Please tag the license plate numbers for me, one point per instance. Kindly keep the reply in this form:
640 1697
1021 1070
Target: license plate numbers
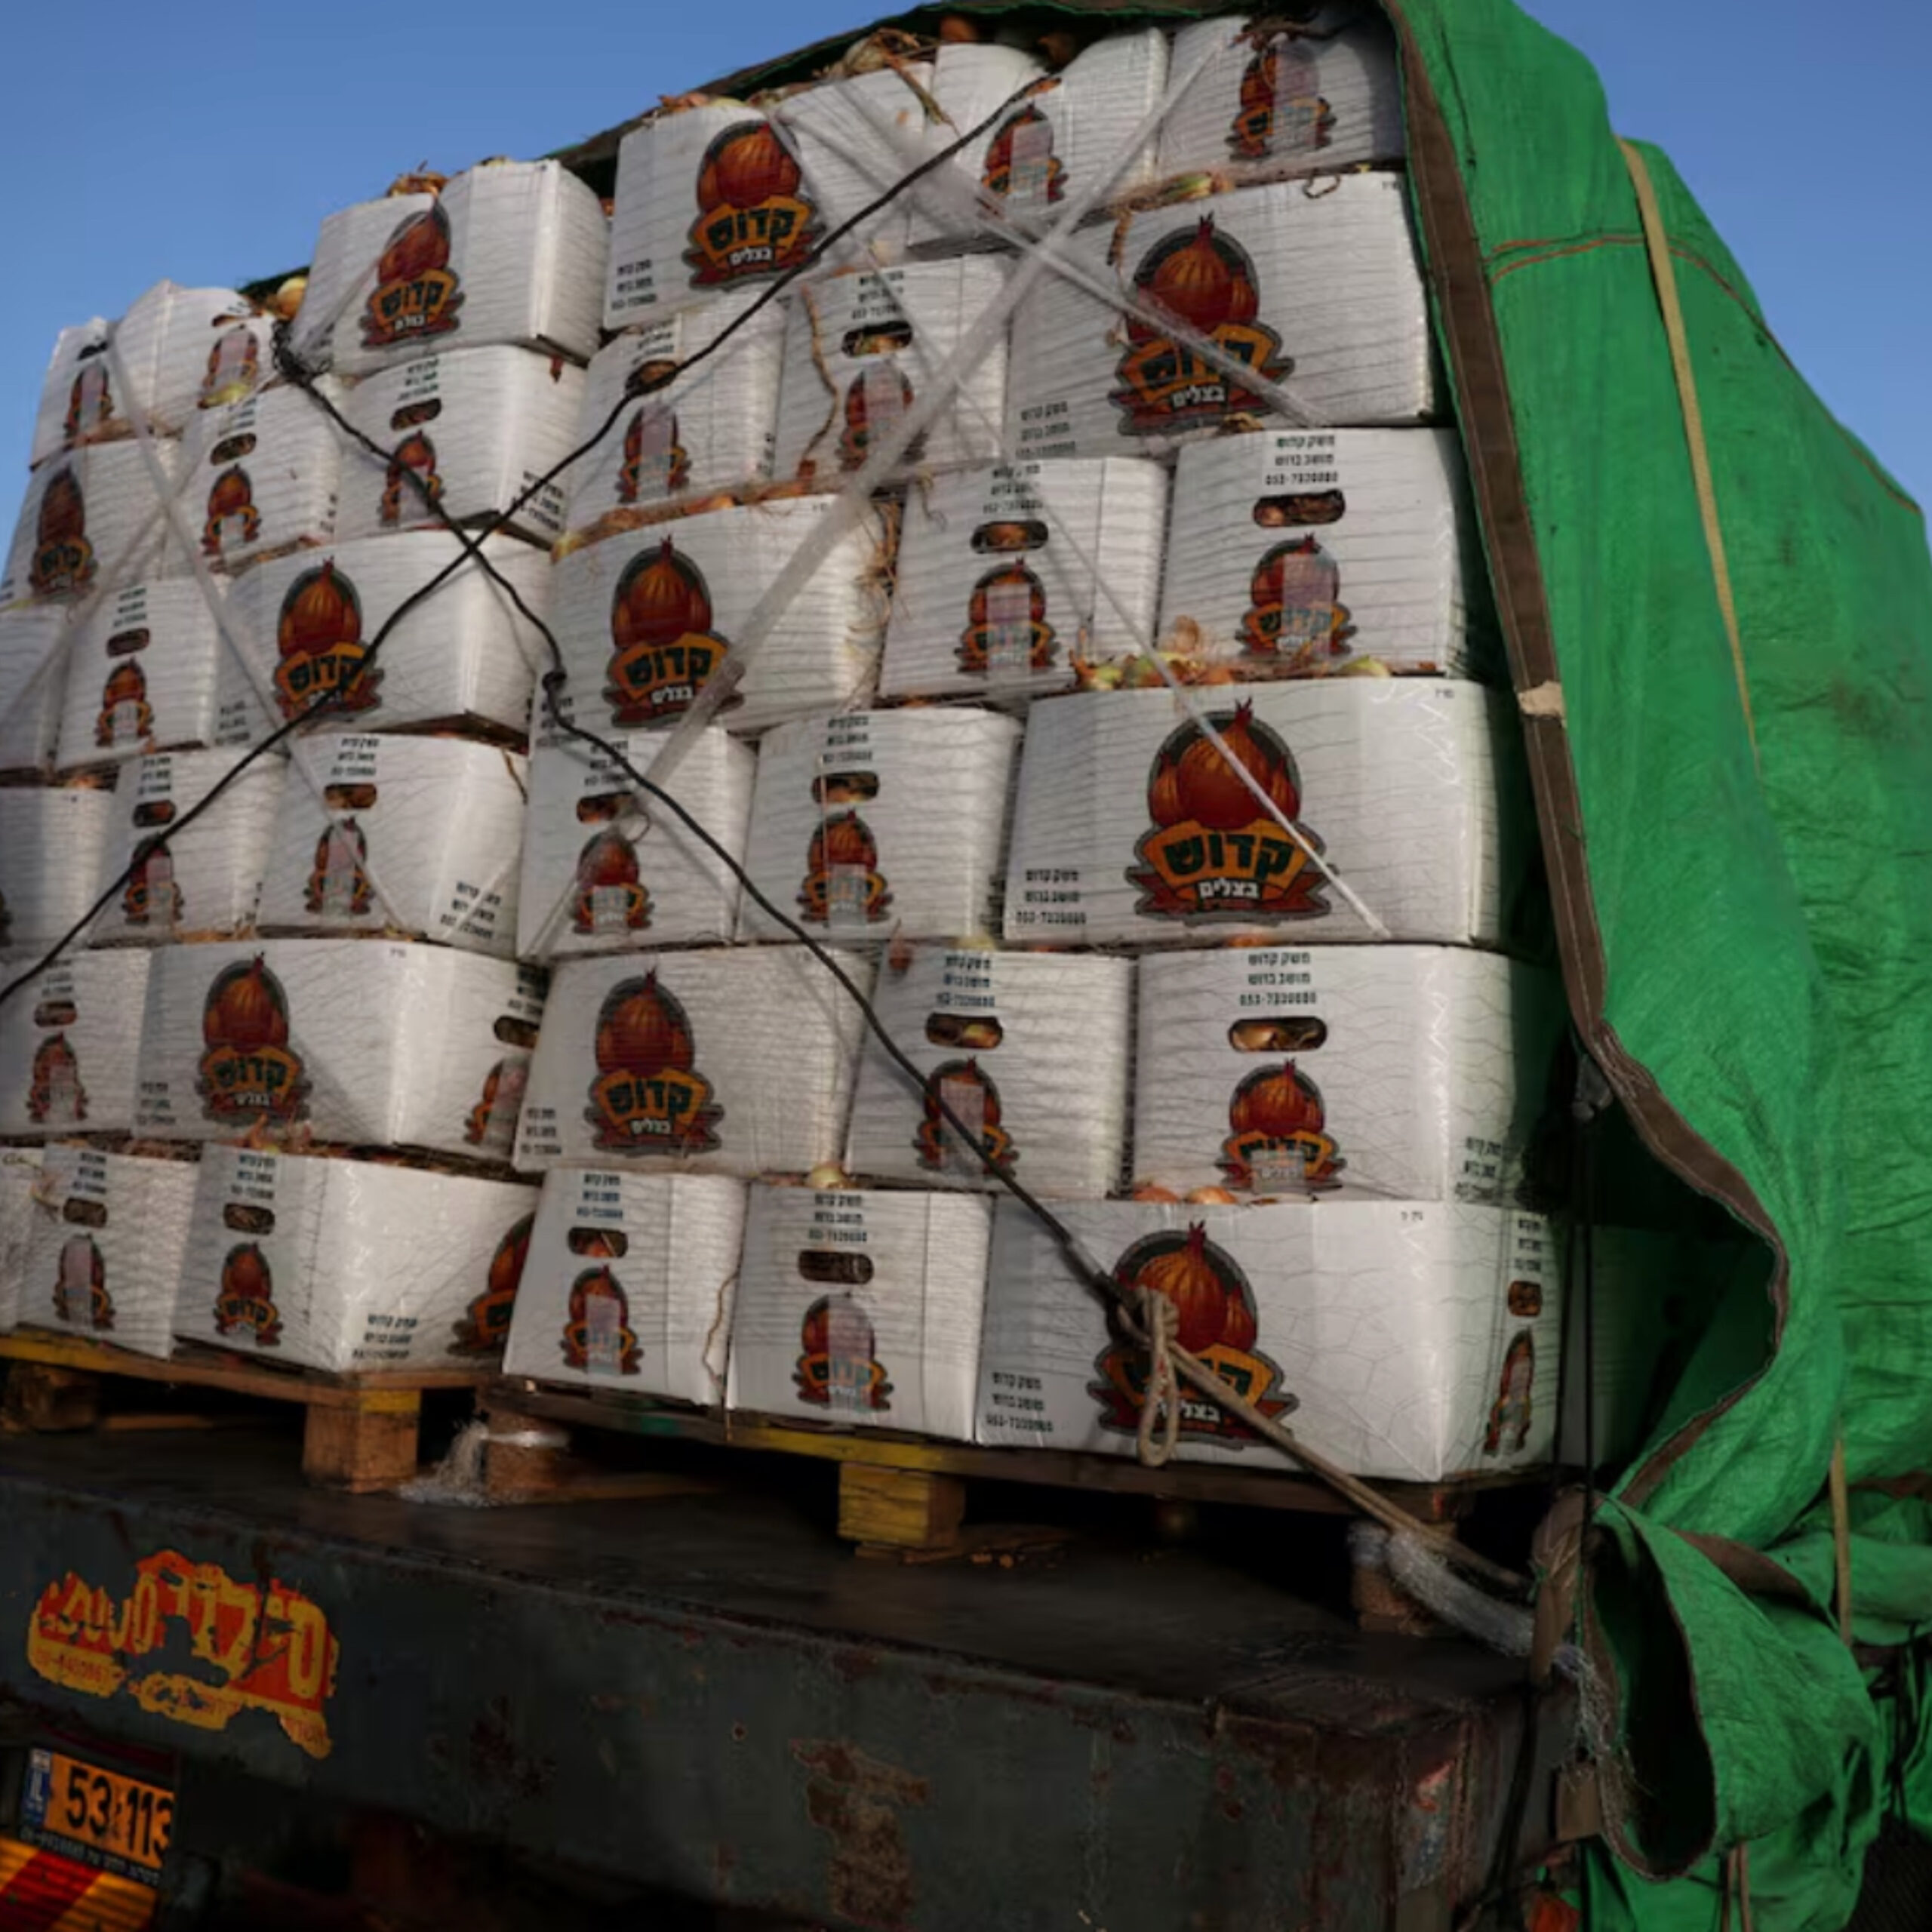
104 1818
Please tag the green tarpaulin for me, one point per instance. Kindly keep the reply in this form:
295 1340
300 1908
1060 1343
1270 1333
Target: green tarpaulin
1746 941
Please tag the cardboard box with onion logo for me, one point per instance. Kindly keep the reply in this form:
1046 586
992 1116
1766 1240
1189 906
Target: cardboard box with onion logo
606 869
1320 294
92 520
475 427
179 351
1133 826
464 655
876 824
355 1043
1407 1073
52 840
259 477
1408 1341
861 1310
404 834
1031 1051
1010 579
681 440
630 1282
69 1040
645 620
108 1240
1299 552
1076 126
1281 95
37 657
734 1061
710 202
345 1264
204 882
507 252
140 674
860 347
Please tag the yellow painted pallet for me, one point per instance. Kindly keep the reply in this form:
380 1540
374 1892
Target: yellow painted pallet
908 1493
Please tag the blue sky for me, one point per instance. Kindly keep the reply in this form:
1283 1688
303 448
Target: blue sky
206 143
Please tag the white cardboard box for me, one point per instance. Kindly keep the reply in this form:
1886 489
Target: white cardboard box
359 1043
1077 124
711 201
36 654
1279 97
345 1264
421 836
68 1045
51 842
1406 1341
1131 827
1031 1049
605 873
203 882
509 252
258 479
875 823
1321 293
20 1177
479 426
91 521
140 673
1303 549
630 1284
861 1310
701 433
307 623
109 1235
737 1062
82 399
1410 1073
644 620
854 138
181 349
860 347
971 81
1007 576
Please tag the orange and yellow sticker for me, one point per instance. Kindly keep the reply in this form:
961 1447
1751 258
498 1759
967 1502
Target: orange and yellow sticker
260 1647
41 1891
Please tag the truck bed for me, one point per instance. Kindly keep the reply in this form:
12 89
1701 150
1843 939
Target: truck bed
708 1696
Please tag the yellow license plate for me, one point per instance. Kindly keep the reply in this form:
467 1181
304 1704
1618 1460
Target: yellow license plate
109 1820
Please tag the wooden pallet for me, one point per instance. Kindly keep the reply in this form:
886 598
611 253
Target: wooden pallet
905 1494
360 1431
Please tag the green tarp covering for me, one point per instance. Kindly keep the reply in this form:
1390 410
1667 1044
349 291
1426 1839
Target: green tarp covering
1748 943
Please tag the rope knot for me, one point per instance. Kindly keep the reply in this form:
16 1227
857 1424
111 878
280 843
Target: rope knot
1159 1432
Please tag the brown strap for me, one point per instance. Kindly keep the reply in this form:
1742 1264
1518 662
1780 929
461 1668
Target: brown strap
1664 273
1842 1537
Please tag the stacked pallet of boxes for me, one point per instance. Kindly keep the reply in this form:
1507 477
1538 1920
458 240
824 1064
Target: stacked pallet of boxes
1057 604
108 648
1223 971
313 982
